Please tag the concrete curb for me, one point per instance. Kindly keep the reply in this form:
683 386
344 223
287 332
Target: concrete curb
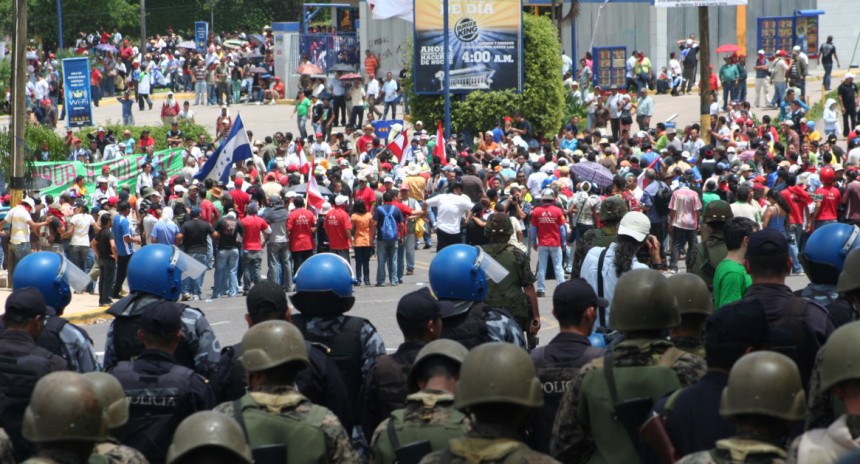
89 316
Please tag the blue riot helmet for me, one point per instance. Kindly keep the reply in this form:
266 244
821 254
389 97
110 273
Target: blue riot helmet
324 286
158 269
460 272
597 340
824 254
53 275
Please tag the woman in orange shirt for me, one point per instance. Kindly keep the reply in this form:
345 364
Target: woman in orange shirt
362 231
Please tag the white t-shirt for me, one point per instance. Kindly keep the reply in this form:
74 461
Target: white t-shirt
18 218
321 150
81 222
450 209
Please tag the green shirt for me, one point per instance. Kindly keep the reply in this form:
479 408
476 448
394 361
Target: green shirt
303 107
731 283
708 197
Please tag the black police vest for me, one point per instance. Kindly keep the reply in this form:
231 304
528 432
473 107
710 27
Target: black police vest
390 376
51 341
345 350
157 404
18 377
469 328
127 345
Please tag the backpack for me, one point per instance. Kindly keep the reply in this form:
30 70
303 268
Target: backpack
389 225
662 199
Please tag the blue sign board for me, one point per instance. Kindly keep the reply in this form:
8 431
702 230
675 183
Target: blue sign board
201 35
383 128
76 75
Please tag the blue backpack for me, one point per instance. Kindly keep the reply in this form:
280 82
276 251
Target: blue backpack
389 225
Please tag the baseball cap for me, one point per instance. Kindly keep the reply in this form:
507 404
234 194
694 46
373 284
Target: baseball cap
635 225
266 297
547 194
415 309
195 211
761 52
744 322
341 200
575 295
767 242
25 303
161 318
319 134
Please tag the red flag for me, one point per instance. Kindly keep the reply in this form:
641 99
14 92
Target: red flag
398 145
439 148
305 167
315 198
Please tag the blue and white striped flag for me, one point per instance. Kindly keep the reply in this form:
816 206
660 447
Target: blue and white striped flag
235 148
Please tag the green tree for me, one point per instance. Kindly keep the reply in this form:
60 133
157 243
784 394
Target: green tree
542 99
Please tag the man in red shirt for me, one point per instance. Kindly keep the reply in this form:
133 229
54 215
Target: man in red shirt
547 227
145 141
339 227
365 193
365 141
240 198
301 226
252 245
825 208
798 200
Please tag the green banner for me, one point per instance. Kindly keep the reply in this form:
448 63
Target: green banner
125 169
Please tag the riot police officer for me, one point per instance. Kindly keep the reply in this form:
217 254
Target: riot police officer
278 420
321 382
112 398
64 420
57 278
763 397
429 419
516 292
594 417
323 295
695 305
822 259
458 277
161 391
155 273
612 210
211 438
708 253
22 362
498 388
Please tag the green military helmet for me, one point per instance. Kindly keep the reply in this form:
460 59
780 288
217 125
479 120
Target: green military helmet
839 358
442 347
272 343
643 301
692 294
498 224
717 211
498 373
205 429
849 278
612 209
764 383
112 397
64 407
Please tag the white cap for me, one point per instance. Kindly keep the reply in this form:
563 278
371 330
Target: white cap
686 154
341 200
635 225
761 52
291 194
689 41
849 76
325 207
179 189
101 179
419 122
796 48
388 179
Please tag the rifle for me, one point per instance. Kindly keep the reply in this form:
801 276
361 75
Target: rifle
655 435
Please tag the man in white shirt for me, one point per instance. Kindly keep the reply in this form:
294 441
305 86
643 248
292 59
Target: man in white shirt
21 222
450 208
535 182
372 97
320 149
41 89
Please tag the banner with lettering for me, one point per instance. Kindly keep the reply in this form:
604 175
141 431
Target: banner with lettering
201 35
485 40
125 169
76 77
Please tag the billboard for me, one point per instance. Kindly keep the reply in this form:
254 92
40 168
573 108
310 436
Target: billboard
76 76
201 35
485 42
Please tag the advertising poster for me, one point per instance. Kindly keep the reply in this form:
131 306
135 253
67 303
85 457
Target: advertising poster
201 35
485 41
76 76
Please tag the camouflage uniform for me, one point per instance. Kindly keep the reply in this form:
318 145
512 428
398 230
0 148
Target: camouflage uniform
484 445
717 250
602 237
502 328
431 410
118 453
6 456
822 407
570 437
337 441
691 345
738 450
372 345
519 309
82 354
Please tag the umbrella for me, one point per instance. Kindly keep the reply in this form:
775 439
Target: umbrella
728 48
342 67
258 39
234 43
106 47
593 172
309 68
303 188
319 76
259 70
350 77
187 44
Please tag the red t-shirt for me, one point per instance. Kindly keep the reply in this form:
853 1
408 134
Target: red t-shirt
831 200
240 200
797 199
253 226
547 219
406 212
363 143
208 212
337 224
367 194
146 142
299 226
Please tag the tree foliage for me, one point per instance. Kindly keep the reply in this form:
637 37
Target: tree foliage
541 102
